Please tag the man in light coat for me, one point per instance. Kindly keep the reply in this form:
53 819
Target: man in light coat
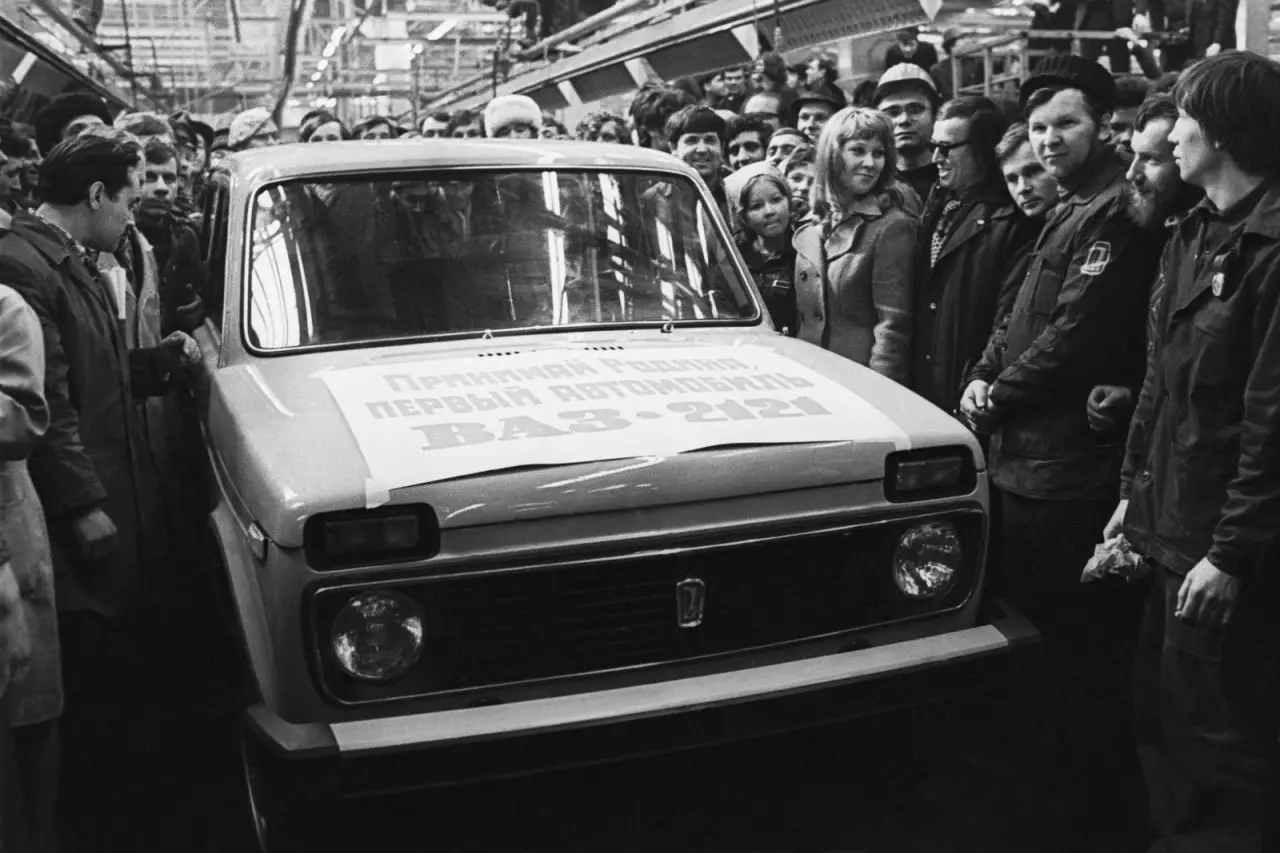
30 668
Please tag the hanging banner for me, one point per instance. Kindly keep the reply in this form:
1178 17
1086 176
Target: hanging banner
432 420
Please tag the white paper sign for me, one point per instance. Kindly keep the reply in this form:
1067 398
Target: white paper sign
425 421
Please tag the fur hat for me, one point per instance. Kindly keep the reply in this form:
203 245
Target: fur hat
249 124
506 110
61 111
145 124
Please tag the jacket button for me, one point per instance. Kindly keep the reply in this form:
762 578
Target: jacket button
933 306
1144 476
804 276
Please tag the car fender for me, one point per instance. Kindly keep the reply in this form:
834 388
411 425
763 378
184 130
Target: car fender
245 593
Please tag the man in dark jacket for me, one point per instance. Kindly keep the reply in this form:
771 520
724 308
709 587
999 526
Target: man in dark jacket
972 251
1105 16
1077 322
907 47
1209 25
176 246
1158 198
92 471
95 494
910 99
1201 481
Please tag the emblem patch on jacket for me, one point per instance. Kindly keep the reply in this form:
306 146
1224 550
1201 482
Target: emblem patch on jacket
1098 258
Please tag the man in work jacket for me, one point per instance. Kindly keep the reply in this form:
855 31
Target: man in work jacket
1078 321
1201 480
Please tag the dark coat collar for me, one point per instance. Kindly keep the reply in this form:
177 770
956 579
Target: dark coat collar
42 236
1100 172
49 241
1260 209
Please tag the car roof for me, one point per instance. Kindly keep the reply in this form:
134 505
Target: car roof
299 160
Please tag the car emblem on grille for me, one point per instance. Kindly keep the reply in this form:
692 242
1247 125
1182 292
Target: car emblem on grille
691 600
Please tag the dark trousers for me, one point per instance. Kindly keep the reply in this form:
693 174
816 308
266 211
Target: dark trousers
29 788
1207 704
1078 707
147 696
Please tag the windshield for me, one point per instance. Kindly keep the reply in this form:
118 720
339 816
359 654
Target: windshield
372 260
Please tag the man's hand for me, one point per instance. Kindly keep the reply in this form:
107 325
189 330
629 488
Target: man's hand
191 314
1208 596
95 533
1112 530
187 350
1141 23
976 407
1213 49
1108 406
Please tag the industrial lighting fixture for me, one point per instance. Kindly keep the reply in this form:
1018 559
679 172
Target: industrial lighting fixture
322 65
417 49
442 30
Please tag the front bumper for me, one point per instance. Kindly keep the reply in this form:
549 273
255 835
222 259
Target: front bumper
428 749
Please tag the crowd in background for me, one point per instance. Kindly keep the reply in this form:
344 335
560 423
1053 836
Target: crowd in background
1085 269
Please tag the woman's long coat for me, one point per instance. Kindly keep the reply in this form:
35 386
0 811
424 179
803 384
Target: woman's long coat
854 286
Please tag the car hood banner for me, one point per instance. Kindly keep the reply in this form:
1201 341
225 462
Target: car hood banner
431 420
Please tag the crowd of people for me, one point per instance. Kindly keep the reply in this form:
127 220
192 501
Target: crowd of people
1085 271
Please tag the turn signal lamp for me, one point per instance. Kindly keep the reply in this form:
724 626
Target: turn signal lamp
339 540
913 475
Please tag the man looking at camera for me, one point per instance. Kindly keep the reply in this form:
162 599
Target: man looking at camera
1077 321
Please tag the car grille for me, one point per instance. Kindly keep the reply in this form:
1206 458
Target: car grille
561 620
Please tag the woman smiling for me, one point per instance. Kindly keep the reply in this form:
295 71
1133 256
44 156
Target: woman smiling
855 257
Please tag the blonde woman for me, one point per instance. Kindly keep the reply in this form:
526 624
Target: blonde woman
855 252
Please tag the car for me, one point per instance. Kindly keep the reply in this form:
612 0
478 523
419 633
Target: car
513 471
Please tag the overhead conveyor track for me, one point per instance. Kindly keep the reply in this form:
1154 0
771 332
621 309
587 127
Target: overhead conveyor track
657 44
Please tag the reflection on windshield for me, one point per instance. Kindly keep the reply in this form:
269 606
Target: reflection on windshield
470 252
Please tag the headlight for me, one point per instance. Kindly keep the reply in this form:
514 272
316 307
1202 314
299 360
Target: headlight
377 636
927 560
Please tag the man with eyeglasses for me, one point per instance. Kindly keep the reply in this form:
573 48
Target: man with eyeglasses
971 254
907 94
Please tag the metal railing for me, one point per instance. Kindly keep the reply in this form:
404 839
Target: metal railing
996 52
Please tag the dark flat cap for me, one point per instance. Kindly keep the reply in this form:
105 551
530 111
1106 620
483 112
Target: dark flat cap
820 94
1072 72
